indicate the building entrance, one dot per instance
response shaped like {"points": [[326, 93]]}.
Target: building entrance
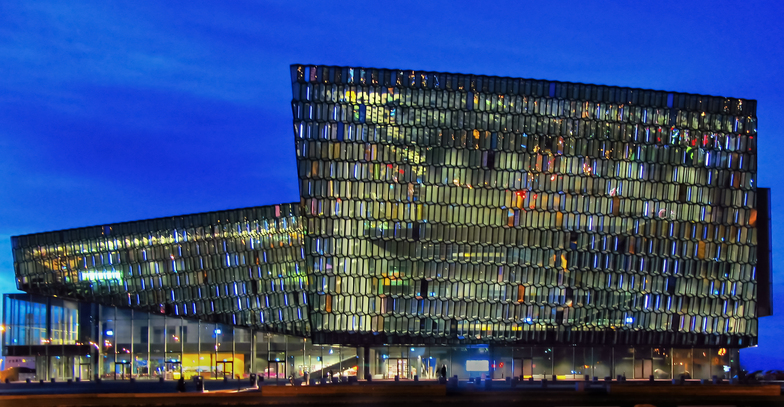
{"points": [[173, 370], [523, 367], [84, 371], [276, 369], [224, 368], [397, 367], [643, 368], [122, 370]]}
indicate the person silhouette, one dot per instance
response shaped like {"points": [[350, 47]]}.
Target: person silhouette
{"points": [[181, 385]]}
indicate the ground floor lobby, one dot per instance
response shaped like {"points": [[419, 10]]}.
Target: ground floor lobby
{"points": [[300, 359], [59, 339]]}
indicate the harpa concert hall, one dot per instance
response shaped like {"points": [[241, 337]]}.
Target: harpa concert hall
{"points": [[491, 225]]}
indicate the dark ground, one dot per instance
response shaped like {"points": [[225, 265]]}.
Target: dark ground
{"points": [[221, 393]]}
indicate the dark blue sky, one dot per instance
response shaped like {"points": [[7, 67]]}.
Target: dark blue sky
{"points": [[120, 111]]}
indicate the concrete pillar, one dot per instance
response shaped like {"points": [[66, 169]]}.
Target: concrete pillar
{"points": [[366, 362]]}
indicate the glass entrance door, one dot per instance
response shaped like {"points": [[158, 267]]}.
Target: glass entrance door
{"points": [[527, 367], [224, 368], [173, 370], [276, 370], [397, 367], [84, 371], [122, 370], [643, 368]]}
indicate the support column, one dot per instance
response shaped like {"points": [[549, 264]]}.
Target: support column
{"points": [[114, 343], [48, 335], [149, 336], [198, 349], [692, 363], [612, 361], [252, 351], [451, 371], [574, 368], [98, 342], [181, 335], [366, 361], [133, 355], [269, 340], [166, 345]]}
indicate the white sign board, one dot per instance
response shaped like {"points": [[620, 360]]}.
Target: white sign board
{"points": [[477, 365]]}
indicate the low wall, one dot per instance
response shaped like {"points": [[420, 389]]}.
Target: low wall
{"points": [[353, 390], [696, 390]]}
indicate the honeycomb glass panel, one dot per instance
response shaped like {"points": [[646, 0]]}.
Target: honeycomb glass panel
{"points": [[617, 215], [239, 267]]}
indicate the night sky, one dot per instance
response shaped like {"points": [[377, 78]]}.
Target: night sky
{"points": [[119, 111]]}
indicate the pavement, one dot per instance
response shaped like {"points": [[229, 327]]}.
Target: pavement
{"points": [[391, 393], [116, 386]]}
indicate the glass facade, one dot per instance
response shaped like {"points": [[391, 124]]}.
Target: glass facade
{"points": [[496, 226], [445, 208], [119, 344], [240, 267]]}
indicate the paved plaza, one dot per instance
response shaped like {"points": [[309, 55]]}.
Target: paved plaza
{"points": [[383, 393]]}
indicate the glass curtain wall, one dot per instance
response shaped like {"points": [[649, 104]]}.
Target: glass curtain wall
{"points": [[458, 204], [25, 322], [565, 363], [157, 366], [150, 346]]}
